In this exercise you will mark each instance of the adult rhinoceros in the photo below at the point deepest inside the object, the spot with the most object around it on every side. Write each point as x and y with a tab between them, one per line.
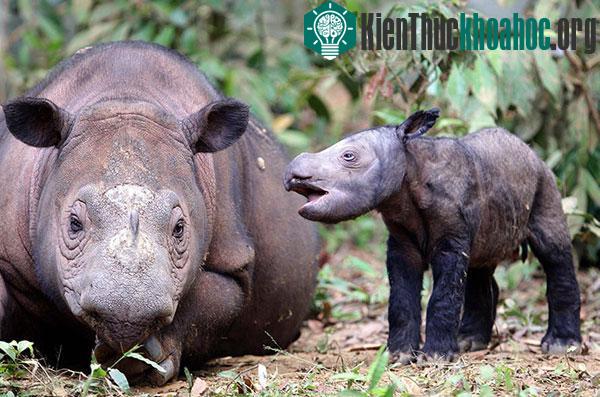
139	206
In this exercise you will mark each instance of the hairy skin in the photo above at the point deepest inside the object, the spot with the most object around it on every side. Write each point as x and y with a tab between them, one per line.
462	206
134	212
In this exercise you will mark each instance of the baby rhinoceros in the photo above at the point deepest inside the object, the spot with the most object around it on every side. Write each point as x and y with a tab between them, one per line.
462	206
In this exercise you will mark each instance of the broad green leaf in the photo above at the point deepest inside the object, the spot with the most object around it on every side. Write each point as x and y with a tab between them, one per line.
548	72
483	83
516	86
457	89
9	350
25	345
120	379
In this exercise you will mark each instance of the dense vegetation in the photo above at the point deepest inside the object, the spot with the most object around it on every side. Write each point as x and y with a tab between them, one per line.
252	50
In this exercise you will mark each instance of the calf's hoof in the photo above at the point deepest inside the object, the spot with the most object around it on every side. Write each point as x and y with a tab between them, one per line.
403	358
560	346
437	357
471	344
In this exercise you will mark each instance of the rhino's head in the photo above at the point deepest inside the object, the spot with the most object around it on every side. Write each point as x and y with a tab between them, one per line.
358	173
122	224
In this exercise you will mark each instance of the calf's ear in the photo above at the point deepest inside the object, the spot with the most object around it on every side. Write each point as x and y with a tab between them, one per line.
37	121
417	124
216	126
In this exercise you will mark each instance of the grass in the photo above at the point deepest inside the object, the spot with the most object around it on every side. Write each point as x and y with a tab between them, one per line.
339	352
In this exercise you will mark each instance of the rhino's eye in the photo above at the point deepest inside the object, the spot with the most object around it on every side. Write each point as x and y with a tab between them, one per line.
349	156
179	229
75	225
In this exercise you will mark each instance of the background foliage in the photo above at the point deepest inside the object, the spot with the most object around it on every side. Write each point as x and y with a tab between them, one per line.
253	50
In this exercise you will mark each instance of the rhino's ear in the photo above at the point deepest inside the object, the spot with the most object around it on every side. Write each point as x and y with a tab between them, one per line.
37	121
417	124
216	126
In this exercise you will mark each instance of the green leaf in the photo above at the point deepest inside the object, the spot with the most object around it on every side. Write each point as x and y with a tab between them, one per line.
50	29
9	350
548	73
591	185
25	345
378	367
516	86
143	359
483	83
487	372
495	60
96	371
166	36
457	89
120	379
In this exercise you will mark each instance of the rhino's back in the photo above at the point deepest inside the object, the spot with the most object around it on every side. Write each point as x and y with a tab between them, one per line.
129	70
508	174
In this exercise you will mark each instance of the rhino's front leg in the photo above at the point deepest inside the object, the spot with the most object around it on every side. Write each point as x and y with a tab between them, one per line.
449	266
405	273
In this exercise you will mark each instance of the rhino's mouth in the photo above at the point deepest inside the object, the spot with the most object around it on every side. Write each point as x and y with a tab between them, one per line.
309	190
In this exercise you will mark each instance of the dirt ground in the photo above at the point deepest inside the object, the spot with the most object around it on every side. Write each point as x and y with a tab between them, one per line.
339	343
319	362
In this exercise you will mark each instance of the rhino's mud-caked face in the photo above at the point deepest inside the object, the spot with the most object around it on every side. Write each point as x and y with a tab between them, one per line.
123	220
356	174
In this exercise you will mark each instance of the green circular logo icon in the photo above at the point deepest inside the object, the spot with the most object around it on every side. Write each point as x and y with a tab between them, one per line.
330	30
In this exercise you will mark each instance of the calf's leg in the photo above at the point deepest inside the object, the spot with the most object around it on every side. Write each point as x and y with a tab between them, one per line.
405	273
449	266
479	313
551	244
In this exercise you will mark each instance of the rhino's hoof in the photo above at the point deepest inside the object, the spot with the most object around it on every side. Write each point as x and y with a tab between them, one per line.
403	358
471	344
437	357
560	346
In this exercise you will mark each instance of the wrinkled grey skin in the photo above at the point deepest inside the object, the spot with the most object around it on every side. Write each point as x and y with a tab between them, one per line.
136	211
462	206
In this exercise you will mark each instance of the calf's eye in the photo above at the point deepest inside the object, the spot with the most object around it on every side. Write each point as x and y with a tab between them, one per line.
349	156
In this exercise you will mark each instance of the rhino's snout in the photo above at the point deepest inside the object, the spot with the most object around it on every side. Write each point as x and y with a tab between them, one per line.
121	321
298	170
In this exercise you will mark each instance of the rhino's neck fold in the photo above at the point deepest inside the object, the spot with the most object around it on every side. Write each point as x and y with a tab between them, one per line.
44	158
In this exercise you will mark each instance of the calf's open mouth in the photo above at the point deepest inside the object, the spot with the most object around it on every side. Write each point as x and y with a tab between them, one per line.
312	192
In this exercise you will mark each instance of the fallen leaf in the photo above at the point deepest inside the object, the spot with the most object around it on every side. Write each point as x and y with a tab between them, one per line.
315	326
199	388
262	377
